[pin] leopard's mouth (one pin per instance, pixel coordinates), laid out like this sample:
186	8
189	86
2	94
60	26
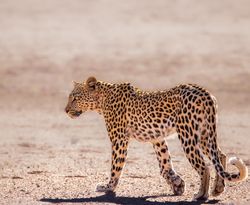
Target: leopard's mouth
74	114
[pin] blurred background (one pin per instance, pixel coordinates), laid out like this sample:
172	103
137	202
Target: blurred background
44	45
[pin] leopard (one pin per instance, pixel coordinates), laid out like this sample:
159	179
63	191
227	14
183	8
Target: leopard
130	113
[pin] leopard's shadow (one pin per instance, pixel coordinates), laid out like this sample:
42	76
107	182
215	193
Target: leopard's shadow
112	198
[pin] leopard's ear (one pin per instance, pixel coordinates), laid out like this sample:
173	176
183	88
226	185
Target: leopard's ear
91	83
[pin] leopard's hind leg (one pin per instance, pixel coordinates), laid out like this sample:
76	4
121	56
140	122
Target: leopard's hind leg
190	144
209	145
219	183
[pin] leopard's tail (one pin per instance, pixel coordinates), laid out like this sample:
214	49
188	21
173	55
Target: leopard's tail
233	177
237	162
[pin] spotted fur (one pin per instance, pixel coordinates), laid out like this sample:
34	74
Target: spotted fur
131	113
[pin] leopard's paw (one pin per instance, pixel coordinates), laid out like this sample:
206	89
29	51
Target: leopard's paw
178	186
200	196
104	188
219	188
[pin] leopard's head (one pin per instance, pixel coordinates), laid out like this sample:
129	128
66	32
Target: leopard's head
83	97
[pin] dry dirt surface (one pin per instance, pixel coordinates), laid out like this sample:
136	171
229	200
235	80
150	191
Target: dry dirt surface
47	158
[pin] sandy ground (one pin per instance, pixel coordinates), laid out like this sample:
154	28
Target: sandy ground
45	157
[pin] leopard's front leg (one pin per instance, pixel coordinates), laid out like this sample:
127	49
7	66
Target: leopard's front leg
167	171
119	154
